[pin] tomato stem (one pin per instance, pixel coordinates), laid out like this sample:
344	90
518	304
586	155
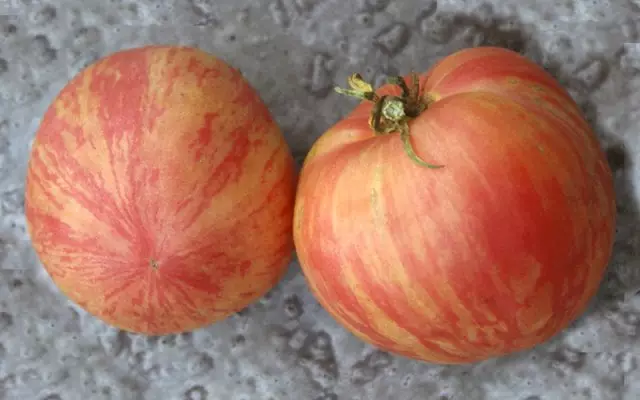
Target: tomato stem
392	113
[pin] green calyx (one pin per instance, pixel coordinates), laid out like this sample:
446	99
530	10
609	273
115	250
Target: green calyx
392	113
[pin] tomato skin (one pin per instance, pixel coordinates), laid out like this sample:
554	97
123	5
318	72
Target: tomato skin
494	253
160	191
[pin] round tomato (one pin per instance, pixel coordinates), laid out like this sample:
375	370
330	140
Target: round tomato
160	191
460	216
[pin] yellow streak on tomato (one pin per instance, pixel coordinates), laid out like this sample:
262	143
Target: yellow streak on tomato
386	269
537	311
378	318
377	201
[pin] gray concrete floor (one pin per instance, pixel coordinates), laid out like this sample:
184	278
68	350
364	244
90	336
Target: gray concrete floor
293	52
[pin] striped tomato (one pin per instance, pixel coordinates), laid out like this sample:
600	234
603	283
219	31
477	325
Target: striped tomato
461	219
160	191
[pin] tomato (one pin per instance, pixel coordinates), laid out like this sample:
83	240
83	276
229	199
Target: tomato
160	191
468	219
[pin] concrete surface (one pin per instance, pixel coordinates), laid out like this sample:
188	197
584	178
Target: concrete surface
293	51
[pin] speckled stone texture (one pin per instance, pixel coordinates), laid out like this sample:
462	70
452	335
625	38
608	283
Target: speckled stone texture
293	51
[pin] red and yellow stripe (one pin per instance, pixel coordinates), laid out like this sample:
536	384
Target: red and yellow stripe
160	190
494	253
